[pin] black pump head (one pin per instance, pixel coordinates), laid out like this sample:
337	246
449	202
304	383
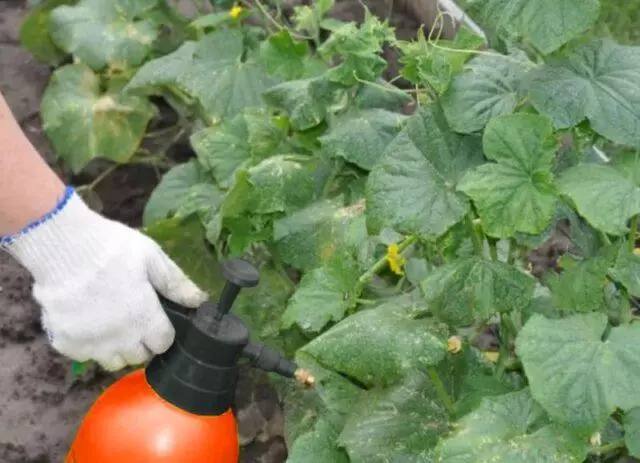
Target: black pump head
199	371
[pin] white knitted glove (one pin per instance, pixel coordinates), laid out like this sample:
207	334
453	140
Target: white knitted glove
95	280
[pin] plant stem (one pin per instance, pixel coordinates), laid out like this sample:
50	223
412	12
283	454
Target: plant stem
606	448
475	236
493	249
633	232
440	390
99	178
366	277
513	248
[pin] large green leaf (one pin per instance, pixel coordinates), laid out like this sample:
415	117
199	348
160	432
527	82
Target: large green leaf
509	428
626	270
377	346
105	33
602	195
281	184
400	424
317	446
547	24
488	86
580	287
412	188
474	289
211	70
185	243
632	431
246	138
172	190
84	123
283	55
600	81
304	101
516	194
311	237
361	137
35	32
324	295
576	375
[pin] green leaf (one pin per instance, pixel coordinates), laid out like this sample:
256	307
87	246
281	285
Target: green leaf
317	446
281	184
378	346
626	270
580	288
212	71
599	81
324	295
509	428
311	237
170	193
262	306
304	101
185	243
578	377
473	289
383	95
35	33
283	55
412	188
203	199
401	424
487	87
547	24
361	137
632	431
101	33
360	47
246	138
80	368
602	195
515	194
84	123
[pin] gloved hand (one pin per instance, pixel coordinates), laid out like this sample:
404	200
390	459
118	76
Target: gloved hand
94	279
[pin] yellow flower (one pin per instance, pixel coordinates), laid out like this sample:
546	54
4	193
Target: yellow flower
396	261
491	356
636	251
235	11
454	344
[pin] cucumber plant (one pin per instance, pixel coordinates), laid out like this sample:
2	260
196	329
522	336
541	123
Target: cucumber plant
393	226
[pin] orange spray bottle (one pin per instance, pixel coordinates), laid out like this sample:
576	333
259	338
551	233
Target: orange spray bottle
178	408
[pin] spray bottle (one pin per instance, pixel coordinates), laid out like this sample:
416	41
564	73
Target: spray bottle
178	408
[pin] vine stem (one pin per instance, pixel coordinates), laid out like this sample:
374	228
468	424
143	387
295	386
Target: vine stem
477	239
441	391
99	178
366	277
633	232
606	448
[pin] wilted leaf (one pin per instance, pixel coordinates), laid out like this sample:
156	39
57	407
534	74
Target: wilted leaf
35	32
84	123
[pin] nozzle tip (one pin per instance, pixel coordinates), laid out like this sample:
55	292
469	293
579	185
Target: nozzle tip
305	378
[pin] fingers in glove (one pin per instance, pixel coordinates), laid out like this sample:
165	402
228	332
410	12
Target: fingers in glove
170	281
158	334
137	354
111	361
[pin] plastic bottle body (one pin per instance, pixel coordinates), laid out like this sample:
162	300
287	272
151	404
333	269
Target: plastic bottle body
130	423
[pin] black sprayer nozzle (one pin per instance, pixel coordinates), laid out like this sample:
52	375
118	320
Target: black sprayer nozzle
239	274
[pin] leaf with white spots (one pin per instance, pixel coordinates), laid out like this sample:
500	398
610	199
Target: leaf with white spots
399	424
105	33
378	346
212	70
361	137
412	188
84	123
509	428
474	289
311	236
576	375
324	295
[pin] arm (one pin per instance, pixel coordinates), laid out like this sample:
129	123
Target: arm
95	279
28	187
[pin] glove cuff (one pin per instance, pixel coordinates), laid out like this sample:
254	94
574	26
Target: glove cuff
60	242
